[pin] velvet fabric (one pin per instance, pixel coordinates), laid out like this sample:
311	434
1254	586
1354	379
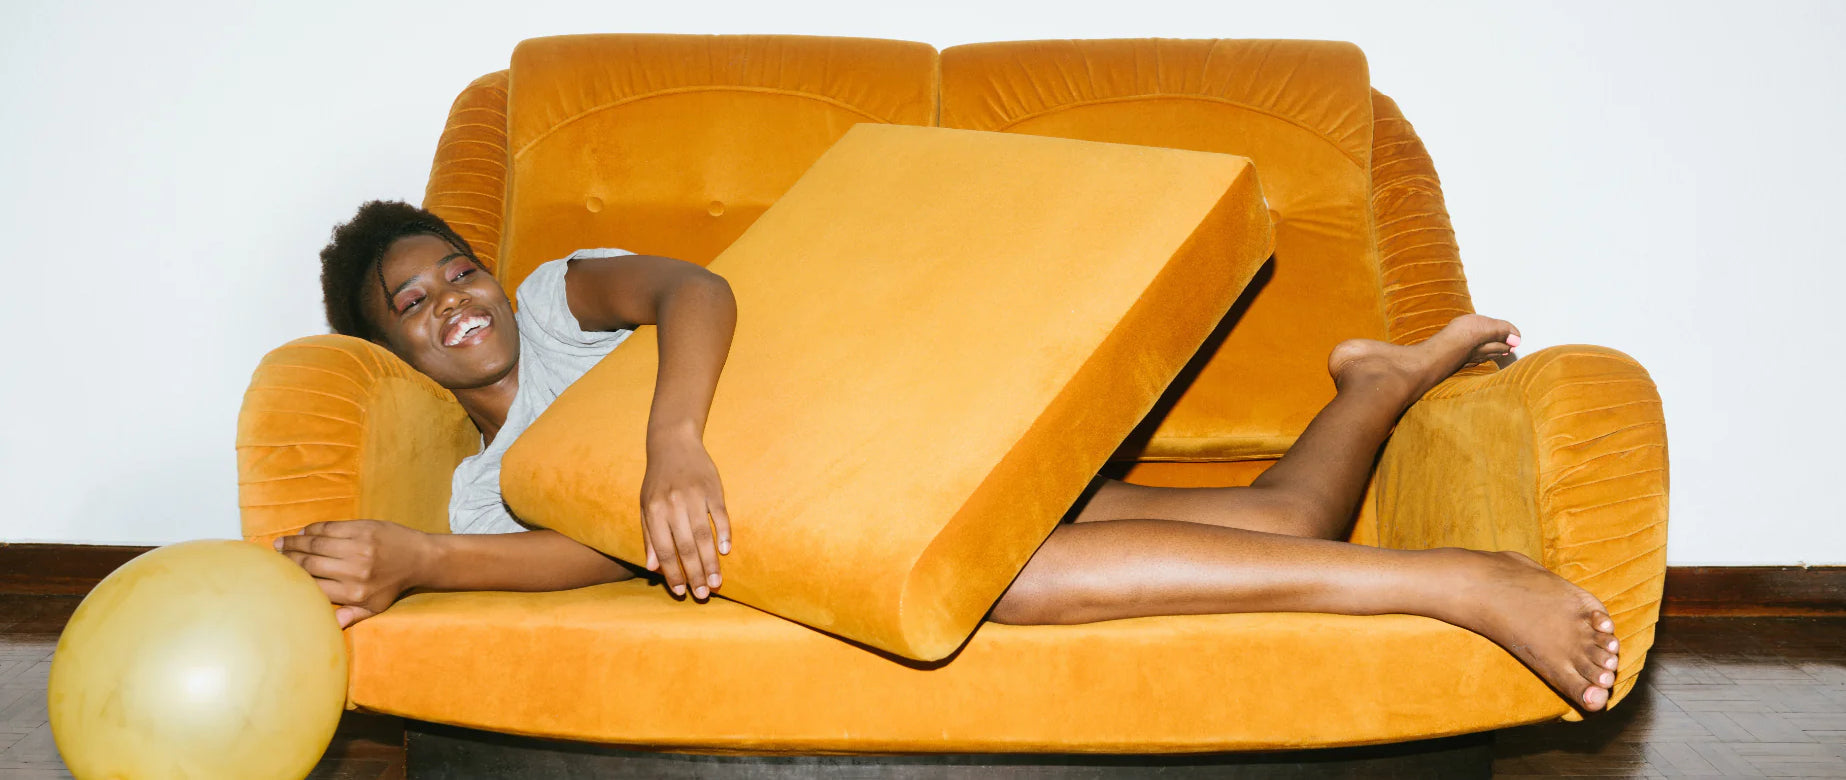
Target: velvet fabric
1300	110
673	144
941	336
1563	456
337	428
628	664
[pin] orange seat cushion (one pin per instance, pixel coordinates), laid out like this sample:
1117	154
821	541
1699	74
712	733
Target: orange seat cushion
628	664
942	335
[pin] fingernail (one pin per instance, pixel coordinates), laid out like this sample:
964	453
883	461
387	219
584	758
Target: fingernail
679	590
724	547
1512	340
715	580
701	592
277	543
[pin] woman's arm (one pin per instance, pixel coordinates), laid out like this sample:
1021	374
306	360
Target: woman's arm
364	565
682	500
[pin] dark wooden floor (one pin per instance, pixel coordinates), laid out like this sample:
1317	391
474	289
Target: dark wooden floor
1721	697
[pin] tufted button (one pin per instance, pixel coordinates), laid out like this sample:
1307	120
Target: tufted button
716	208
593	204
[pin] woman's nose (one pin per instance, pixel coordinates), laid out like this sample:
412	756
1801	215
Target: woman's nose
451	298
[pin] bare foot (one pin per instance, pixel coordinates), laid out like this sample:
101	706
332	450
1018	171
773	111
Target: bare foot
1558	629
1413	370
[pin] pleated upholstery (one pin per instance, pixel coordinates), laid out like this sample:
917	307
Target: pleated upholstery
674	144
1562	457
467	180
941	337
1417	255
628	664
1302	111
337	428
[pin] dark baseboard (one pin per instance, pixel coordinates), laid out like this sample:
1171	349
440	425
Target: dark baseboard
1755	590
59	569
73	569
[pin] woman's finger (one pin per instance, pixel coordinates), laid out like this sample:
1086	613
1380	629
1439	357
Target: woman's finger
336	528
660	531
699	522
327	546
336	591
687	549
647	543
720	521
337	569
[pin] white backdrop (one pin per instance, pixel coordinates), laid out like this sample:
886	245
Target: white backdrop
1655	177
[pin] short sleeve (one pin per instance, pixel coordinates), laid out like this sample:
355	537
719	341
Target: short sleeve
544	303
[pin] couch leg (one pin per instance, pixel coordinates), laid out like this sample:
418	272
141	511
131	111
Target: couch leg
437	752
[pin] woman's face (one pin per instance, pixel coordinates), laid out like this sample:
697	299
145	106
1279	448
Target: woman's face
444	314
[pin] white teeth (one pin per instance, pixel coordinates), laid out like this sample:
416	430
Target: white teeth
465	327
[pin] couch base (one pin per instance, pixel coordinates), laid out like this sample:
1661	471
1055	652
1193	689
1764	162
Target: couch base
437	752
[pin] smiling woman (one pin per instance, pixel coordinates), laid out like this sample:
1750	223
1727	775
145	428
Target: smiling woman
400	277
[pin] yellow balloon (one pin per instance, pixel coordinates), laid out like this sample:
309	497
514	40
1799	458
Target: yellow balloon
202	659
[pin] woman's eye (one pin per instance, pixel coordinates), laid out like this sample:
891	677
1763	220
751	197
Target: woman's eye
462	275
411	304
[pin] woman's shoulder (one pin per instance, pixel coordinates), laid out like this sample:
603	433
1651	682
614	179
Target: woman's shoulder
547	280
544	307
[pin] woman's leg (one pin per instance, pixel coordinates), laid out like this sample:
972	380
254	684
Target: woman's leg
1314	490
1153	551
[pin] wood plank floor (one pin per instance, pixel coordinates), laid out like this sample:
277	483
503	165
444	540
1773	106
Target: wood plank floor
1721	697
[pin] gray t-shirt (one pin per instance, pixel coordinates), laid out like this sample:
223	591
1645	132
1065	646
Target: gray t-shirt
554	350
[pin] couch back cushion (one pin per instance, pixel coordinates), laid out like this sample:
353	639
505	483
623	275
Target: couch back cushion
673	144
1301	110
974	323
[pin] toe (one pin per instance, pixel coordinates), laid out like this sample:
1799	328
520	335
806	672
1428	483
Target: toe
1595	697
1594	673
1609	642
1602	622
1607	660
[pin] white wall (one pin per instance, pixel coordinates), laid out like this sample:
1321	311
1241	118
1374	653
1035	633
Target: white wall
1654	177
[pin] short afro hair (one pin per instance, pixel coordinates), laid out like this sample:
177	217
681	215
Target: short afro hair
351	259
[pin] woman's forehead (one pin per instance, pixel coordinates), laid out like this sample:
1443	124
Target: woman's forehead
412	255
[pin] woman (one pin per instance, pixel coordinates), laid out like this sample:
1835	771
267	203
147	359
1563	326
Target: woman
399	276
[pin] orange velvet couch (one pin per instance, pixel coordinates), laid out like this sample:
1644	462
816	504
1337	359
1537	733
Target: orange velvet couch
673	145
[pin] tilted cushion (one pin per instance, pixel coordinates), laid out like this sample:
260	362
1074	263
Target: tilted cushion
673	144
1301	111
941	337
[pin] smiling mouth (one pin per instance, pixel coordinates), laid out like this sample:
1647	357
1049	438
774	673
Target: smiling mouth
467	329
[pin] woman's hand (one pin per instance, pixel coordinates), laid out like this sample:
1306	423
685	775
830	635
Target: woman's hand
362	565
680	489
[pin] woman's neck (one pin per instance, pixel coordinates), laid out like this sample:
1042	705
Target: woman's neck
488	405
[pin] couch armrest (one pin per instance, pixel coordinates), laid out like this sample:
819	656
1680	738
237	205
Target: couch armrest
1562	457
337	428
467	180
